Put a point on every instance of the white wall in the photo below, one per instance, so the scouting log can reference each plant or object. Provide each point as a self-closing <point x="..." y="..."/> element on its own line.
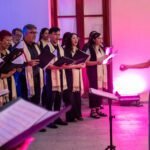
<point x="131" y="36"/>
<point x="17" y="13"/>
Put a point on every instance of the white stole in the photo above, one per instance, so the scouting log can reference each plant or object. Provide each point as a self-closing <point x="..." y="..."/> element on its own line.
<point x="4" y="85"/>
<point x="29" y="72"/>
<point x="101" y="70"/>
<point x="77" y="79"/>
<point x="55" y="74"/>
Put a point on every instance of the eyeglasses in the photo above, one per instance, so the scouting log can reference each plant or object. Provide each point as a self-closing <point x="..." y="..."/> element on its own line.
<point x="18" y="35"/>
<point x="32" y="32"/>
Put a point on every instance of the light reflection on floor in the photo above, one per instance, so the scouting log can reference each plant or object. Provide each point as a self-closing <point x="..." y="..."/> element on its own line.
<point x="130" y="132"/>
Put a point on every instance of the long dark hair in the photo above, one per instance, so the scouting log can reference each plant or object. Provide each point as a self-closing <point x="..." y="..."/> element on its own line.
<point x="91" y="34"/>
<point x="42" y="32"/>
<point x="93" y="37"/>
<point x="69" y="42"/>
<point x="65" y="38"/>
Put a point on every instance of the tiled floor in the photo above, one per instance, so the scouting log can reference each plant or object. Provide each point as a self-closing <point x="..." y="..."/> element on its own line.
<point x="130" y="132"/>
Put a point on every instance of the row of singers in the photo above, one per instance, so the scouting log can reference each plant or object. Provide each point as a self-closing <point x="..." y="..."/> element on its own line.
<point x="56" y="84"/>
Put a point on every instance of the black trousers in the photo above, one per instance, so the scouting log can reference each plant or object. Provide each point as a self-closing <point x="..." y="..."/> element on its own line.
<point x="24" y="91"/>
<point x="54" y="99"/>
<point x="94" y="101"/>
<point x="75" y="112"/>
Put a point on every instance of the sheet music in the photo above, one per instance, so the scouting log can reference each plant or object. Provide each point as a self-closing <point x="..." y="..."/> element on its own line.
<point x="105" y="61"/>
<point x="3" y="92"/>
<point x="108" y="50"/>
<point x="55" y="53"/>
<point x="104" y="94"/>
<point x="47" y="115"/>
<point x="17" y="118"/>
<point x="20" y="45"/>
<point x="1" y="60"/>
<point x="19" y="60"/>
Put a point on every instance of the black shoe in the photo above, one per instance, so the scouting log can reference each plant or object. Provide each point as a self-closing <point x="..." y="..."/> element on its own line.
<point x="52" y="125"/>
<point x="71" y="120"/>
<point x="42" y="130"/>
<point x="61" y="122"/>
<point x="94" y="115"/>
<point x="102" y="114"/>
<point x="80" y="118"/>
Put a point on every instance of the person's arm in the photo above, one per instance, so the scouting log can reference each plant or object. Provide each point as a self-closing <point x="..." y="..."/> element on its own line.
<point x="73" y="66"/>
<point x="32" y="63"/>
<point x="7" y="75"/>
<point x="93" y="63"/>
<point x="98" y="62"/>
<point x="135" y="66"/>
<point x="53" y="67"/>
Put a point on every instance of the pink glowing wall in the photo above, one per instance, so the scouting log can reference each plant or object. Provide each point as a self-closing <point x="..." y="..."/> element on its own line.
<point x="131" y="37"/>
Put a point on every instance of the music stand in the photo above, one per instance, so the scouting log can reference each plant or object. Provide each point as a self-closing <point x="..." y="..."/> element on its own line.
<point x="24" y="131"/>
<point x="149" y="121"/>
<point x="110" y="97"/>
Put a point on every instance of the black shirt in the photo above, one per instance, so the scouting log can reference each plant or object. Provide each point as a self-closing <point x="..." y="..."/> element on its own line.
<point x="34" y="55"/>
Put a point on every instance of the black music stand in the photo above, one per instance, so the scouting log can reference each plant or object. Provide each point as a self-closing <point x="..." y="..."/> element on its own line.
<point x="34" y="127"/>
<point x="149" y="121"/>
<point x="110" y="97"/>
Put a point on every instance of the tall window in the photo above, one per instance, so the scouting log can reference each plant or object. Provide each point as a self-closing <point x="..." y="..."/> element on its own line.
<point x="82" y="17"/>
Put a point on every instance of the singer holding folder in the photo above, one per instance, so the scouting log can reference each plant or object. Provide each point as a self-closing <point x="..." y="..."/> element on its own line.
<point x="6" y="79"/>
<point x="97" y="73"/>
<point x="31" y="76"/>
<point x="74" y="78"/>
<point x="56" y="84"/>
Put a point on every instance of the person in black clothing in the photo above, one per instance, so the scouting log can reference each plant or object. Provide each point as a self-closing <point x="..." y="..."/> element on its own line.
<point x="6" y="79"/>
<point x="56" y="85"/>
<point x="86" y="45"/>
<point x="16" y="38"/>
<point x="74" y="79"/>
<point x="43" y="38"/>
<point x="97" y="73"/>
<point x="32" y="76"/>
<point x="43" y="41"/>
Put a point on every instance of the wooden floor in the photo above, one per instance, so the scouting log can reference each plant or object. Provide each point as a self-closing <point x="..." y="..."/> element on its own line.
<point x="130" y="132"/>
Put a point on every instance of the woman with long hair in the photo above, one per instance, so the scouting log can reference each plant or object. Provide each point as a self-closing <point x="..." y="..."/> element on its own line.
<point x="74" y="79"/>
<point x="43" y="38"/>
<point x="97" y="73"/>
